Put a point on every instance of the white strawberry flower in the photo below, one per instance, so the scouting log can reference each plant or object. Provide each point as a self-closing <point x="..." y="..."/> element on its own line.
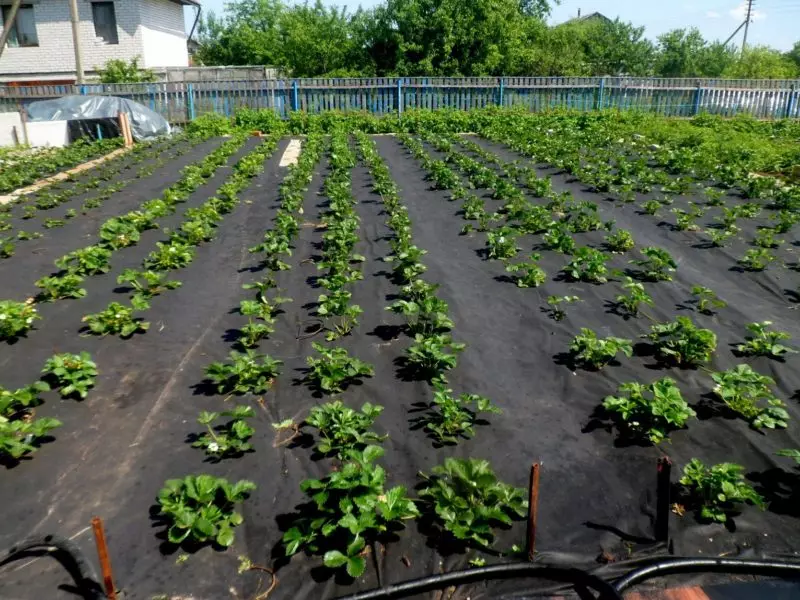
<point x="213" y="447"/>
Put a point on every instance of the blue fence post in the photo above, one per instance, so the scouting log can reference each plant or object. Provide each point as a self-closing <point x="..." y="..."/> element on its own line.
<point x="698" y="96"/>
<point x="790" y="102"/>
<point x="190" y="101"/>
<point x="399" y="96"/>
<point x="600" y="92"/>
<point x="295" y="102"/>
<point x="83" y="90"/>
<point x="502" y="86"/>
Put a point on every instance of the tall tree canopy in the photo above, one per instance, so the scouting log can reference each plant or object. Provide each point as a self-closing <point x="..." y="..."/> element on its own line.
<point x="470" y="38"/>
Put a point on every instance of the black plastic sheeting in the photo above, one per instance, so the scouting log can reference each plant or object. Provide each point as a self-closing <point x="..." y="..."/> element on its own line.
<point x="597" y="499"/>
<point x="145" y="123"/>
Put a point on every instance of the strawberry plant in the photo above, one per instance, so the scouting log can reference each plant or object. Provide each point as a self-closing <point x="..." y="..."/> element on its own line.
<point x="19" y="437"/>
<point x="60" y="287"/>
<point x="529" y="274"/>
<point x="649" y="410"/>
<point x="7" y="247"/>
<point x="450" y="418"/>
<point x="28" y="235"/>
<point x="337" y="304"/>
<point x="253" y="332"/>
<point x="592" y="352"/>
<point x="719" y="237"/>
<point x="86" y="261"/>
<point x="707" y="300"/>
<point x="16" y="404"/>
<point x="619" y="242"/>
<point x="658" y="264"/>
<point x="557" y="312"/>
<point x="636" y="296"/>
<point x="431" y="355"/>
<point x="119" y="232"/>
<point x="146" y="284"/>
<point x="348" y="508"/>
<point x="559" y="239"/>
<point x="248" y="372"/>
<point x="765" y="342"/>
<point x="742" y="389"/>
<point x="342" y="429"/>
<point x="426" y="314"/>
<point x="264" y="308"/>
<point x="116" y="319"/>
<point x="501" y="243"/>
<point x="202" y="508"/>
<point x="765" y="238"/>
<point x="716" y="490"/>
<point x="785" y="220"/>
<point x="16" y="318"/>
<point x="227" y="439"/>
<point x="756" y="259"/>
<point x="406" y="259"/>
<point x="588" y="265"/>
<point x="442" y="176"/>
<point x="468" y="500"/>
<point x="53" y="223"/>
<point x="651" y="207"/>
<point x="71" y="373"/>
<point x="169" y="256"/>
<point x="683" y="342"/>
<point x="335" y="369"/>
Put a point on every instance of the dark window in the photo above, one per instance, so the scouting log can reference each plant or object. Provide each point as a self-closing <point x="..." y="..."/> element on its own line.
<point x="105" y="22"/>
<point x="23" y="32"/>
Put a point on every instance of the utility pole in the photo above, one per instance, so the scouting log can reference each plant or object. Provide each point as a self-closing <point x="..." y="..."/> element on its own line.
<point x="747" y="23"/>
<point x="73" y="17"/>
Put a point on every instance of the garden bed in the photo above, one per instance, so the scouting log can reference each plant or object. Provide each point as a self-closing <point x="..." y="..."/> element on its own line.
<point x="115" y="449"/>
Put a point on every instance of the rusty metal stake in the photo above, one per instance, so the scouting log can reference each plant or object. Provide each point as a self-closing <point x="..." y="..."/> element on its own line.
<point x="533" y="504"/>
<point x="663" y="504"/>
<point x="102" y="555"/>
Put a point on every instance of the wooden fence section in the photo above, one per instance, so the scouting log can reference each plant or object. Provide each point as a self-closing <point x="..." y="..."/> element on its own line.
<point x="180" y="102"/>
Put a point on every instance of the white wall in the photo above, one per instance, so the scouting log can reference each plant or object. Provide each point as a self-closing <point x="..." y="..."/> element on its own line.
<point x="163" y="34"/>
<point x="54" y="57"/>
<point x="7" y="123"/>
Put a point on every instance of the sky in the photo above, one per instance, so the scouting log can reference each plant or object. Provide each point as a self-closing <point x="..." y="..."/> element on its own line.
<point x="775" y="22"/>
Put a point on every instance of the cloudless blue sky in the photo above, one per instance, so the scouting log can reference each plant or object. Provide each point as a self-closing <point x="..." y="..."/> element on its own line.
<point x="775" y="22"/>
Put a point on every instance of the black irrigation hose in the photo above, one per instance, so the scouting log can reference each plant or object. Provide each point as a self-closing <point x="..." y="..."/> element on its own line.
<point x="576" y="577"/>
<point x="777" y="568"/>
<point x="69" y="555"/>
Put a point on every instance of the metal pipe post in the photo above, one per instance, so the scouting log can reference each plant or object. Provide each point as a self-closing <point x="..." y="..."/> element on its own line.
<point x="76" y="40"/>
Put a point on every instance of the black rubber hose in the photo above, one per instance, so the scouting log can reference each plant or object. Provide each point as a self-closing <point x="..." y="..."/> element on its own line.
<point x="69" y="555"/>
<point x="575" y="577"/>
<point x="773" y="568"/>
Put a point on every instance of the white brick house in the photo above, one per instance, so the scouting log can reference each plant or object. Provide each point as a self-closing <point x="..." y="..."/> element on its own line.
<point x="40" y="45"/>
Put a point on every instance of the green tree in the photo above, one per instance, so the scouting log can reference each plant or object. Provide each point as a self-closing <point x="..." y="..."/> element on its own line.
<point x="119" y="71"/>
<point x="247" y="35"/>
<point x="616" y="48"/>
<point x="794" y="54"/>
<point x="762" y="62"/>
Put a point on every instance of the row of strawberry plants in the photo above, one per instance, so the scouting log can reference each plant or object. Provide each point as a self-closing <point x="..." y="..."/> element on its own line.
<point x="178" y="251"/>
<point x="53" y="195"/>
<point x="115" y="233"/>
<point x="211" y="515"/>
<point x="647" y="411"/>
<point x="28" y="167"/>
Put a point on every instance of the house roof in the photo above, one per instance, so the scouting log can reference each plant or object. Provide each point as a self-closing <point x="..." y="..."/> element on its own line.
<point x="187" y="2"/>
<point x="595" y="16"/>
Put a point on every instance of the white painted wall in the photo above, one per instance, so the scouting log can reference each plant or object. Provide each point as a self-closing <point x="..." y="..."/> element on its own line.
<point x="48" y="133"/>
<point x="54" y="57"/>
<point x="163" y="34"/>
<point x="7" y="123"/>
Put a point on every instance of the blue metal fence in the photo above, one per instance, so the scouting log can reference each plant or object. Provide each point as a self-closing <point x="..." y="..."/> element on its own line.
<point x="182" y="102"/>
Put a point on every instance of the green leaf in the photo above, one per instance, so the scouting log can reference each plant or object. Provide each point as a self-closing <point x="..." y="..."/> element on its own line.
<point x="225" y="536"/>
<point x="356" y="566"/>
<point x="334" y="559"/>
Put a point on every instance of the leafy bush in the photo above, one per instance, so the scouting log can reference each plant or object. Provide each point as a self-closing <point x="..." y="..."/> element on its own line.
<point x="335" y="369"/>
<point x="718" y="489"/>
<point x="349" y="507"/>
<point x="649" y="410"/>
<point x="16" y="318"/>
<point x="764" y="342"/>
<point x="683" y="342"/>
<point x="588" y="264"/>
<point x="342" y="429"/>
<point x="71" y="373"/>
<point x="595" y="353"/>
<point x="469" y="501"/>
<point x="743" y="390"/>
<point x="61" y="287"/>
<point x="248" y="372"/>
<point x="226" y="439"/>
<point x="201" y="508"/>
<point x="657" y="265"/>
<point x="116" y="319"/>
<point x="707" y="300"/>
<point x="117" y="70"/>
<point x="450" y="417"/>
